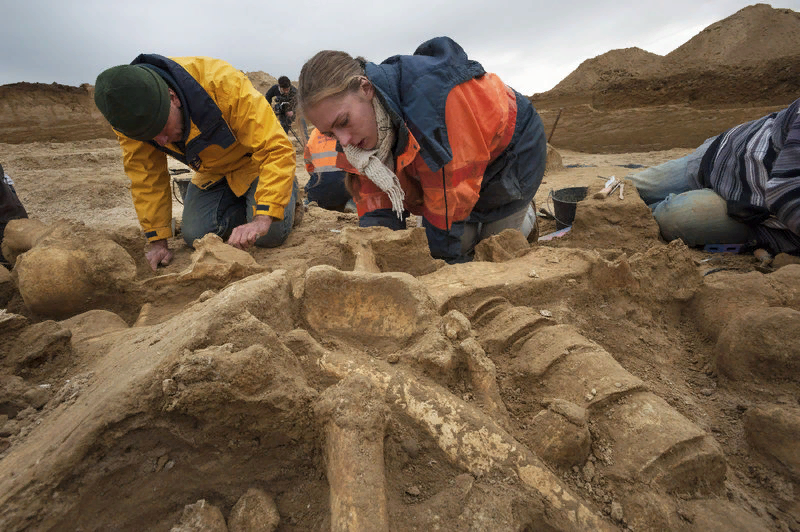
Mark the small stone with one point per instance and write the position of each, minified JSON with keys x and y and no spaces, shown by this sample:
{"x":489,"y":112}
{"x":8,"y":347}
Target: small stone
{"x":414,"y":491}
{"x":686,"y":515}
{"x":456,"y":325}
{"x":589,"y":397}
{"x":594,"y":392}
{"x":205,"y":296}
{"x":9,"y":428}
{"x":201,"y":516}
{"x":707,"y":392}
{"x":572,"y":282}
{"x":616,"y":511}
{"x":588,"y":472}
{"x":37,"y":397}
{"x":533,"y":274}
{"x":162,"y":461}
{"x":617,"y":385}
{"x":393,"y":358}
{"x":255,"y":510}
{"x":411,"y":447}
{"x":168,"y":387}
{"x":169,"y":465}
{"x":546,"y":313}
{"x":25,"y":413}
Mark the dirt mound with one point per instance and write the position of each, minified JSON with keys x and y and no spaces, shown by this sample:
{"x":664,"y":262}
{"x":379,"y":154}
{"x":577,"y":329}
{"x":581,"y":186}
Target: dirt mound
{"x":38,"y":112}
{"x":750,"y":36}
{"x":31,"y":112}
{"x":630,"y":100}
{"x":610,"y":67}
{"x":261,"y":80}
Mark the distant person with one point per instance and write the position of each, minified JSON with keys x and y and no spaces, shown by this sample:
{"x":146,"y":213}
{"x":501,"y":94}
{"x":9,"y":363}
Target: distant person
{"x":10,"y":208}
{"x":326,"y":182}
{"x":206,"y":114}
{"x":284,"y":95}
{"x":432,"y":134}
{"x":740,"y":187}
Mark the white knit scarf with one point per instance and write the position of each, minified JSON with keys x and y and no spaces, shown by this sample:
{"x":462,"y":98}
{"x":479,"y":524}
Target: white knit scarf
{"x":378,"y":164}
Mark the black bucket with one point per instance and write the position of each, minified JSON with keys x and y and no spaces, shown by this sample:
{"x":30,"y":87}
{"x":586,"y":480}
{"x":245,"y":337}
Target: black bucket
{"x":565,"y":201}
{"x":182,"y":183}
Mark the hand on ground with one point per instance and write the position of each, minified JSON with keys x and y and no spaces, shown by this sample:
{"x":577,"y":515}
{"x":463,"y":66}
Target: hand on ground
{"x":246,"y":235}
{"x":159,"y":254}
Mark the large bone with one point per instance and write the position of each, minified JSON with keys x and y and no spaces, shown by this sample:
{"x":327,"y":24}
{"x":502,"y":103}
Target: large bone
{"x":353,"y":416}
{"x":469,"y":438}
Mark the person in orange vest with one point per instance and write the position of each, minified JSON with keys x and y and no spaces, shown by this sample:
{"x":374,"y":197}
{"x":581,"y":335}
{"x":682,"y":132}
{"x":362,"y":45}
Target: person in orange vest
{"x":431,"y":134}
{"x":326,"y":182}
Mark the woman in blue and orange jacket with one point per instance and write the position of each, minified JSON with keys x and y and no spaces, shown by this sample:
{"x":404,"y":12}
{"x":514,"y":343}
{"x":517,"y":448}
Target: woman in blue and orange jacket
{"x":432,"y":134}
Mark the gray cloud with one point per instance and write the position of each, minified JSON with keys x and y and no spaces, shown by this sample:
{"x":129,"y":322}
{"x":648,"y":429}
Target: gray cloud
{"x":531,"y":44}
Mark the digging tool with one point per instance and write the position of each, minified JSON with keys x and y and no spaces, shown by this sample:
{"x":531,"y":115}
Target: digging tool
{"x":554,"y":125}
{"x":611,"y":185}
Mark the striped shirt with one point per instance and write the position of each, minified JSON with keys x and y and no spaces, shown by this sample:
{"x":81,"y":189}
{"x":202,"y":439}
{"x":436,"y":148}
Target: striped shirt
{"x":758,"y":164}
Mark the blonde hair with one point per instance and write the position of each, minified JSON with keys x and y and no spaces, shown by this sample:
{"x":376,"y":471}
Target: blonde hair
{"x":328,"y":73}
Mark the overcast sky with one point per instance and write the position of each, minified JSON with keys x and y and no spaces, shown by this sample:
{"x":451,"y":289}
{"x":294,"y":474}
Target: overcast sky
{"x":531,"y":44}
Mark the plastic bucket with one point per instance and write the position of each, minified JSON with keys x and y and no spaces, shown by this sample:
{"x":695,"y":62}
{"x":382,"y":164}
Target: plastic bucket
{"x":565,"y":202}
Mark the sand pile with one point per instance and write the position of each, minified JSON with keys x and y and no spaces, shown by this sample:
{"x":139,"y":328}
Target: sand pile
{"x":737,"y":69}
{"x":261,"y":80}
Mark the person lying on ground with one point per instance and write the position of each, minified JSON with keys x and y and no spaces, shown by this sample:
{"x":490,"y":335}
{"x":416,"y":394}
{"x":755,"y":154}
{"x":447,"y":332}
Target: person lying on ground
{"x":326,"y":181}
{"x":739,"y":187}
{"x":206,"y":114}
{"x":432,"y":134}
{"x":11,"y":208}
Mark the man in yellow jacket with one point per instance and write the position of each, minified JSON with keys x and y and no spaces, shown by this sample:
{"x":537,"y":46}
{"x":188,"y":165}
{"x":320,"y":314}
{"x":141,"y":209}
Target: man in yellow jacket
{"x":206,"y":114}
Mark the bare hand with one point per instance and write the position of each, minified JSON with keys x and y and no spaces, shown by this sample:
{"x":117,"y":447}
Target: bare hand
{"x":159,"y":254}
{"x":290,"y":113}
{"x":246,"y":235}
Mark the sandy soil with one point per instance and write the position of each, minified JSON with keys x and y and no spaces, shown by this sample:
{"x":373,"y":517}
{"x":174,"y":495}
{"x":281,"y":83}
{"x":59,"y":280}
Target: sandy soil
{"x":602,"y":380}
{"x":645,"y":308}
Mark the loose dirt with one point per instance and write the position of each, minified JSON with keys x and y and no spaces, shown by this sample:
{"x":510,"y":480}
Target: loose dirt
{"x":602,"y":380}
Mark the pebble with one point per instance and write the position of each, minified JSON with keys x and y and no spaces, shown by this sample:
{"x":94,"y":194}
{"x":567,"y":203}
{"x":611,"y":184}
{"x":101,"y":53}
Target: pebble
{"x":162,"y":461}
{"x":546,"y":313}
{"x":414,"y":491}
{"x":168,"y":387}
{"x":616,"y":511}
{"x":533,"y":274}
{"x":588,"y":472}
{"x":411,"y":447}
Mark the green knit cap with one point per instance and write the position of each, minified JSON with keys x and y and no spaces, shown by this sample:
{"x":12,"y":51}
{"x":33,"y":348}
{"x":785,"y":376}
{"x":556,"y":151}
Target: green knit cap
{"x":134,"y":100}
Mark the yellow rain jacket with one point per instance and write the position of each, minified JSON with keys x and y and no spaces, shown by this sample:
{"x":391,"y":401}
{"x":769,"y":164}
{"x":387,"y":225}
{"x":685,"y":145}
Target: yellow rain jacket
{"x":233,"y":135}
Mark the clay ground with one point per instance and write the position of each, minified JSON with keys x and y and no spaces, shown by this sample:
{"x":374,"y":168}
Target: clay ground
{"x":675,"y":419}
